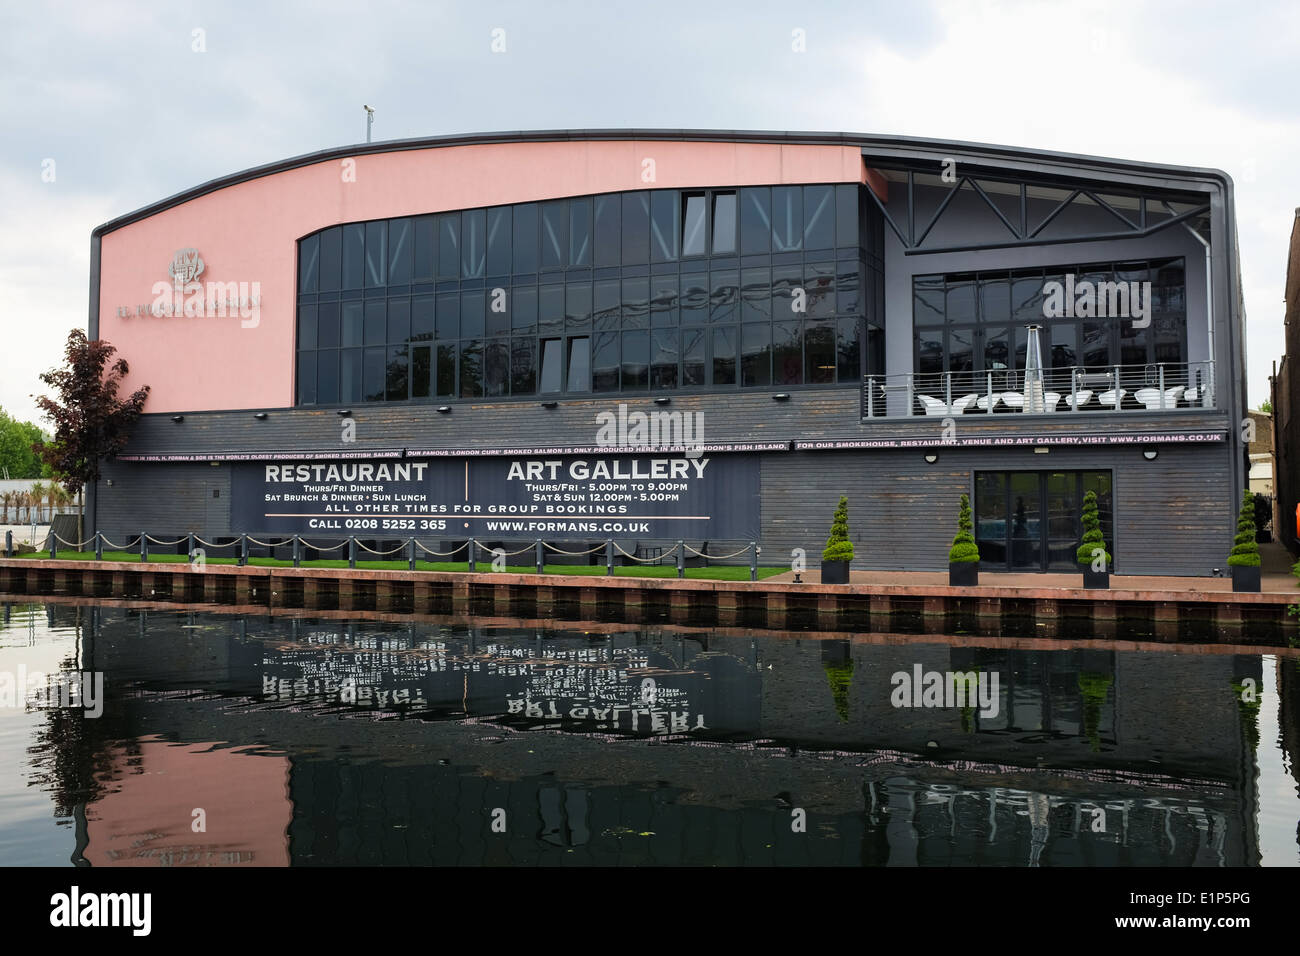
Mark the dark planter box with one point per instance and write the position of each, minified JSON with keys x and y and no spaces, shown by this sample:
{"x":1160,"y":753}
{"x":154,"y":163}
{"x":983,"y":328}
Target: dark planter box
{"x":835,"y":572}
{"x":1095,"y":579}
{"x":963,"y":574}
{"x":1245,"y":578}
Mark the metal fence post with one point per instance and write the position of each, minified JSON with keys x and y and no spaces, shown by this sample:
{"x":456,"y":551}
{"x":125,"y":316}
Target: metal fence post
{"x":472,"y":547}
{"x":681,"y":559}
{"x":753,"y":560}
{"x":297,"y":552}
{"x":9,"y":544}
{"x":352,"y":551}
{"x":539,"y":556}
{"x":144,"y":547}
{"x":189,"y":546}
{"x":54,"y":543}
{"x":410,"y":555}
{"x":609,"y":556}
{"x":243,"y":549}
{"x":99,"y":546}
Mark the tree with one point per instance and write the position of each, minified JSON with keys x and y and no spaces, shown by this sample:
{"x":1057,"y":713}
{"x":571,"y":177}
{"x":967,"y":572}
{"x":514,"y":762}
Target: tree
{"x":1245,"y":550}
{"x":17,"y":457}
{"x":838,"y":545}
{"x":90,"y":421}
{"x":37,"y":497}
{"x":1092,"y":539}
{"x":964,"y":549}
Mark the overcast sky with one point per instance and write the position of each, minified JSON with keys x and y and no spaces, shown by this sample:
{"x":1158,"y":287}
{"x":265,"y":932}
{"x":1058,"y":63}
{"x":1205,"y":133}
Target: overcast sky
{"x":116,"y":95}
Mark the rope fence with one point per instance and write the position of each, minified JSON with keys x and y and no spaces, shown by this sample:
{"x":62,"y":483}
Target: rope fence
{"x":475,"y":550}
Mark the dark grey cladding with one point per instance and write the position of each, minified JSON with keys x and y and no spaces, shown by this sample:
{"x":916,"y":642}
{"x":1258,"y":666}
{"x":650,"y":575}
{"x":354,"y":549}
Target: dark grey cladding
{"x":1168,"y":513}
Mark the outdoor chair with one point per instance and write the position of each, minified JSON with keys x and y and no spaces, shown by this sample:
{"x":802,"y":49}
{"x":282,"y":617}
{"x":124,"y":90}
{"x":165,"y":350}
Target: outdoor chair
{"x":1078,"y":399}
{"x":1151,"y":397}
{"x":1114,"y":397}
{"x":937,"y":408}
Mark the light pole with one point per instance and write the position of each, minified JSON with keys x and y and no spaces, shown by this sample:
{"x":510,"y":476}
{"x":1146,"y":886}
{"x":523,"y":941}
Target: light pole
{"x":370,"y":119}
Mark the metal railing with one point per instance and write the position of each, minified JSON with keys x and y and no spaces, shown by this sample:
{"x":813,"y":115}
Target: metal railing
{"x":1094,"y":389}
{"x":197,"y":548}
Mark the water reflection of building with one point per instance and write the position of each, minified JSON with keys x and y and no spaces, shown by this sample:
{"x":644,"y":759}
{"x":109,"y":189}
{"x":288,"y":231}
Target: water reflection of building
{"x":1155,"y":741}
{"x":189,"y":805}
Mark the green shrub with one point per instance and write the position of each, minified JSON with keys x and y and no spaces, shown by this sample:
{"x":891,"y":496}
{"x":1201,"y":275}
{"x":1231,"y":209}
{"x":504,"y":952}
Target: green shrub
{"x":838,"y":545}
{"x":1092,"y":539}
{"x":1245,"y":550}
{"x":964,"y":550}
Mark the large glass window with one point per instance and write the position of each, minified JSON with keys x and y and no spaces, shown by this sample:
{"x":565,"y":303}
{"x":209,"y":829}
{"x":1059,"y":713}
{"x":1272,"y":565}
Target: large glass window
{"x":632,"y":292}
{"x":978,"y":323}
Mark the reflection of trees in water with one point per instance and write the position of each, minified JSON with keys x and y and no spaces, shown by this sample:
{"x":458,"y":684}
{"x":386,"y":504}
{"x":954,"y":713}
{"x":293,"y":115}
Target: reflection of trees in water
{"x":71,"y":757}
{"x":1249,"y":711}
{"x":1094,"y":688}
{"x":839,"y":674}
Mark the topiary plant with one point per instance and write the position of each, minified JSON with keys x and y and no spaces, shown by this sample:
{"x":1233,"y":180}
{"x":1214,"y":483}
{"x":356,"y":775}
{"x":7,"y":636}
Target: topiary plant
{"x":838,"y":545}
{"x":1092,"y":539}
{"x":964,"y":549}
{"x":1245,"y":550}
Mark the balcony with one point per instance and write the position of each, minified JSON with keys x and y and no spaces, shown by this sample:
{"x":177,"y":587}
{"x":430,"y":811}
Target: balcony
{"x":1072,"y":391}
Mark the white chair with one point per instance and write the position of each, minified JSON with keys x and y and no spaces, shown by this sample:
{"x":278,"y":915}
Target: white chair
{"x":1151,"y":398}
{"x":1192,"y":395}
{"x":1076,"y":400}
{"x":1050,"y":401}
{"x":1013,"y":400}
{"x":1114,"y":397}
{"x":937,"y":408}
{"x":985,"y":400}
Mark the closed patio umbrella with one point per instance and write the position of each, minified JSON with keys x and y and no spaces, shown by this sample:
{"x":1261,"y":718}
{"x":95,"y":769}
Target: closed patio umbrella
{"x":1034,"y":401}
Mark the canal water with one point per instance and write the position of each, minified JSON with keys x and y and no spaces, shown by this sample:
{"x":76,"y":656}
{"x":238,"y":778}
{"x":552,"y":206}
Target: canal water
{"x":228,"y":740}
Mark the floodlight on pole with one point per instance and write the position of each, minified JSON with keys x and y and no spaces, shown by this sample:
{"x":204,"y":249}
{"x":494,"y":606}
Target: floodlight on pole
{"x":370,"y":119}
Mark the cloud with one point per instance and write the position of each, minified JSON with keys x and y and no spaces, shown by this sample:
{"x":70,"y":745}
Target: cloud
{"x":131,"y":113}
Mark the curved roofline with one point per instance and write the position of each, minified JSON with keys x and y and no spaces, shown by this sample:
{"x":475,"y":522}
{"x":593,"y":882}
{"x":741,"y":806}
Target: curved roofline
{"x":1047,"y":160}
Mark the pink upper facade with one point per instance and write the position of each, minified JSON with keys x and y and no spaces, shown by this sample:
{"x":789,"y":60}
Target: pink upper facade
{"x":247,"y":232}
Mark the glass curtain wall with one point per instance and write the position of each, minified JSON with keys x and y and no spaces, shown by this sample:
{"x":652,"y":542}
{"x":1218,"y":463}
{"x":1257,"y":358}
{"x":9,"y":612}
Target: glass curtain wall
{"x":621,"y":293}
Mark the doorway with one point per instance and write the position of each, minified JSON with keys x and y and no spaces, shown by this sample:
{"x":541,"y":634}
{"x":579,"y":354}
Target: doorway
{"x":1029,"y":520}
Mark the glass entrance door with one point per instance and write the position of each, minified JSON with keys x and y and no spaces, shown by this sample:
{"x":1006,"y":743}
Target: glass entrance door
{"x":1029,"y":520}
{"x":1026,"y":548}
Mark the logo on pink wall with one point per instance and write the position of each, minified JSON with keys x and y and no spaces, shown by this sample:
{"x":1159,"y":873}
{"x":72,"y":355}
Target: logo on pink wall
{"x":186,"y":266}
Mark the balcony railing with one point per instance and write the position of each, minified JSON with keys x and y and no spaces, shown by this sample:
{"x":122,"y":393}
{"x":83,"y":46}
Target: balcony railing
{"x":1109,"y":389}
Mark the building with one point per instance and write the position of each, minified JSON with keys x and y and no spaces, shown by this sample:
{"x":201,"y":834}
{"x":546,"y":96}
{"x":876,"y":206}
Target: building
{"x":1260,"y":452}
{"x":654,"y":336}
{"x":1285,"y":398}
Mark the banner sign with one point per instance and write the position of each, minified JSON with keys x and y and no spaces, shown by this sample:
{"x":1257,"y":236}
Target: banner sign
{"x":622,"y":496}
{"x":484,"y":452}
{"x":1176,"y":438}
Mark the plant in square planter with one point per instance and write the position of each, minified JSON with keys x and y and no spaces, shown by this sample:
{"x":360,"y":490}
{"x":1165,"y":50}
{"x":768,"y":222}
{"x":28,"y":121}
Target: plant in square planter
{"x":964,"y":555}
{"x":1244,"y":559}
{"x":1092,"y":556}
{"x":839,"y":549}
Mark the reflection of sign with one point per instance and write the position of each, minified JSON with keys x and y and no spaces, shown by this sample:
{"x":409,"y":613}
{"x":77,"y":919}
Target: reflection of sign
{"x":186,"y":266}
{"x":668,"y":496}
{"x":601,"y":687}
